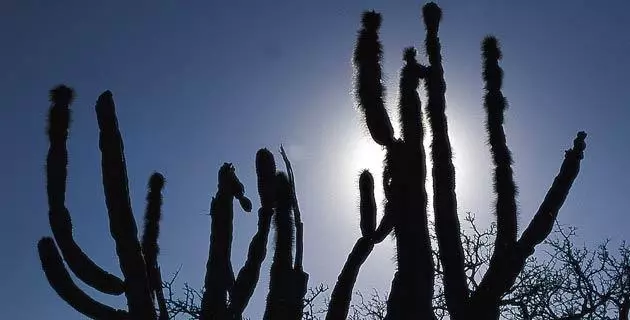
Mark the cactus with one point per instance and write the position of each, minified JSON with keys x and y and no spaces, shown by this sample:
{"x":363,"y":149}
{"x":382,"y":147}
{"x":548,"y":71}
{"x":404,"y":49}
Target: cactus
{"x":139,"y":268}
{"x":143,"y":282}
{"x":225,"y":297}
{"x":288,"y":281}
{"x":403,"y":182}
{"x":404,"y":177}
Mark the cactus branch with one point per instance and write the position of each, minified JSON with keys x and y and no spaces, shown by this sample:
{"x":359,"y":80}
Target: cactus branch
{"x":299,"y":226}
{"x":59,"y":217}
{"x":121,"y":221}
{"x":250,"y":272}
{"x":542,"y":223}
{"x":369,"y":89}
{"x":447,"y":226}
{"x":504,"y":186}
{"x":280,"y":284}
{"x":149,"y":243}
{"x":219,"y":277}
{"x":62,"y":283}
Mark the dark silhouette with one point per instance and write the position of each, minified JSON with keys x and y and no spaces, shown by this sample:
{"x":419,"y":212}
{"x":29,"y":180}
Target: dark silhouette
{"x":404,"y":177}
{"x":225,"y":295}
{"x":139,"y":268}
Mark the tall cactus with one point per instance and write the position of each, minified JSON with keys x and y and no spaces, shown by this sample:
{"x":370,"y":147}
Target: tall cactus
{"x":404,"y":177}
{"x":136,"y":286}
{"x":403,"y":182}
{"x":288,"y":281}
{"x":225,"y":297}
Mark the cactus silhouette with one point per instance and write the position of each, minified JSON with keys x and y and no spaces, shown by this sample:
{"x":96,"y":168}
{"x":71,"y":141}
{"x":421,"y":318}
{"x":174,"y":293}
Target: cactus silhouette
{"x":138,"y":264}
{"x":404,"y":177}
{"x":288,"y":281}
{"x":225,"y":297}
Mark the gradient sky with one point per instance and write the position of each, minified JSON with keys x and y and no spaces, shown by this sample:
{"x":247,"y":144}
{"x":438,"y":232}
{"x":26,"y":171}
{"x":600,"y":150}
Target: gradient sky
{"x":206,"y":82}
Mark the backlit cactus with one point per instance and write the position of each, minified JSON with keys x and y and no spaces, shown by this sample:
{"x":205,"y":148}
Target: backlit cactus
{"x":404,"y":177}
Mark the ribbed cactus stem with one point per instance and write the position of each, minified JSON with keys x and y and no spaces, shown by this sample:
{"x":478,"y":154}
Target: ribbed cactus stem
{"x":219,"y":274}
{"x":250,"y":272}
{"x":504,"y":186}
{"x":59,"y":217}
{"x":280,"y":284}
{"x":339,"y":304}
{"x":503,"y":272}
{"x":369,"y":89}
{"x":299,"y":277}
{"x":408,"y":194}
{"x":62,"y":283}
{"x":410,"y":108}
{"x":447,"y":226}
{"x":367,"y":206}
{"x":149,"y":243}
{"x":299,"y":227}
{"x":57,"y":161}
{"x":542,"y":223}
{"x":121,"y":221}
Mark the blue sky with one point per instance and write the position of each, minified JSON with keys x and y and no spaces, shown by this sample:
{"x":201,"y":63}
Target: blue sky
{"x":206,"y":82}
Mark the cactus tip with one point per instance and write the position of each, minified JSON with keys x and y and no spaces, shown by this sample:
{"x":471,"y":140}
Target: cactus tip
{"x":409,"y":55}
{"x":156,"y":182}
{"x":371,"y":20}
{"x":490,"y":47}
{"x":61,"y":94}
{"x":432,"y":15}
{"x":366,"y":180}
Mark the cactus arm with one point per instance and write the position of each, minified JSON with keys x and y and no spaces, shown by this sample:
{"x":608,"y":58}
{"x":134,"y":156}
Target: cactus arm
{"x":504,"y":186}
{"x":342,"y":293}
{"x":80,"y":264}
{"x":250,"y":272}
{"x":217,"y":278}
{"x":300,"y":278}
{"x":121,"y":221}
{"x":339,"y":303}
{"x":542,"y":223}
{"x":60,"y":222}
{"x":502,"y":273}
{"x":299,"y":226}
{"x":62,"y":283}
{"x":149,"y":243}
{"x":280,"y":284}
{"x":447,"y":225}
{"x":413,"y":245}
{"x":369,"y":89}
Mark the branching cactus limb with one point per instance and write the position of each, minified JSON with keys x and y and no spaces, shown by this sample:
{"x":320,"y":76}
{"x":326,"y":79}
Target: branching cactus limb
{"x":300,"y":278}
{"x":60,"y":222}
{"x":504,"y":186}
{"x":149,"y":244}
{"x":122,"y":224}
{"x":219,"y":277}
{"x":280,"y":280}
{"x":408,"y":176}
{"x":121,"y":221}
{"x":507,"y":263}
{"x":339,"y":304}
{"x":447,"y":225}
{"x":250,"y":272}
{"x":369,"y":91}
{"x":61,"y":281}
